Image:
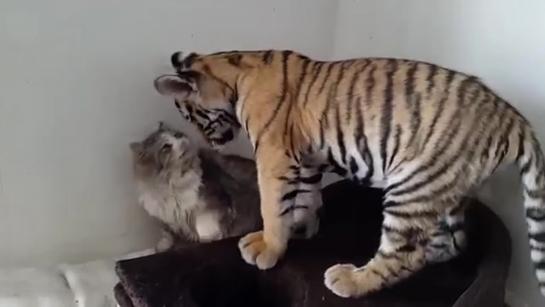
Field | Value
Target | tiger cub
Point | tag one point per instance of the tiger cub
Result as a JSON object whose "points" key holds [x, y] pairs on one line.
{"points": [[424, 133]]}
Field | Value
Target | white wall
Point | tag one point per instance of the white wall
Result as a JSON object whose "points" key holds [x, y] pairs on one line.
{"points": [[501, 41], [76, 88]]}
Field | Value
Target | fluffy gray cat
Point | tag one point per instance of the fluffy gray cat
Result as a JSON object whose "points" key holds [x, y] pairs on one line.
{"points": [[197, 194]]}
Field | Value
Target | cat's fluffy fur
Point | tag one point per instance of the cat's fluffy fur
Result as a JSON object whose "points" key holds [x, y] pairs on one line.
{"points": [[199, 195]]}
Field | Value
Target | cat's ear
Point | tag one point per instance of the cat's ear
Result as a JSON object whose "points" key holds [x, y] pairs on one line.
{"points": [[175, 86], [137, 148], [161, 126]]}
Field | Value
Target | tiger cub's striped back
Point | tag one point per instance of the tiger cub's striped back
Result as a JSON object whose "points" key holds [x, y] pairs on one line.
{"points": [[425, 133]]}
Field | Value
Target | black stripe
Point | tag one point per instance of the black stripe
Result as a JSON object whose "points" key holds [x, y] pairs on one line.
{"points": [[292, 145], [415, 118], [202, 114], [316, 71], [379, 274], [413, 102], [536, 214], [461, 205], [302, 77], [229, 117], [409, 81], [503, 145], [256, 146], [350, 95], [311, 179], [431, 78], [386, 255], [286, 179], [440, 246], [326, 77], [235, 59], [210, 73], [336, 167], [353, 166], [485, 154], [229, 52], [537, 248], [411, 214], [522, 138], [370, 85], [292, 194], [440, 107], [387, 112], [526, 167], [268, 57], [406, 248], [391, 272], [322, 137], [405, 233], [340, 134], [361, 142], [296, 94], [295, 168], [404, 268], [332, 96], [396, 145], [540, 265], [536, 194], [246, 125], [292, 208], [282, 99], [391, 204]]}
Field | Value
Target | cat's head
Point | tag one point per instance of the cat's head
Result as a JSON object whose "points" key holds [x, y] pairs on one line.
{"points": [[164, 149]]}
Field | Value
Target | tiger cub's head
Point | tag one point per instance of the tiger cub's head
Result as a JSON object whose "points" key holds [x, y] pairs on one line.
{"points": [[204, 91]]}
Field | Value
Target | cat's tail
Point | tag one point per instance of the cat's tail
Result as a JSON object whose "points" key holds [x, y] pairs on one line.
{"points": [[531, 164]]}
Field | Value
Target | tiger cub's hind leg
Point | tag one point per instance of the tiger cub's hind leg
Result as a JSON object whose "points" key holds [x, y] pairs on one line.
{"points": [[401, 253], [448, 238]]}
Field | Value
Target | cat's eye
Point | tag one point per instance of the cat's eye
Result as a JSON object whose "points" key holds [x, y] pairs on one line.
{"points": [[178, 135]]}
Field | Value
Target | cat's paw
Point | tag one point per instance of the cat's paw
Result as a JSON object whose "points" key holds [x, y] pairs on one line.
{"points": [[256, 251], [165, 243]]}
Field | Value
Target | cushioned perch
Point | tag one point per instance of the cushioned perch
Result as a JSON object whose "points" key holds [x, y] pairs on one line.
{"points": [[215, 275]]}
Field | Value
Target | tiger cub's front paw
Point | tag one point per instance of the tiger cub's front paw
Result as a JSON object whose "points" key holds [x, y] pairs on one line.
{"points": [[256, 251]]}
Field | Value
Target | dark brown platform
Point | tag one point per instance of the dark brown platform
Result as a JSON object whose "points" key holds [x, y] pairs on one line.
{"points": [[214, 274]]}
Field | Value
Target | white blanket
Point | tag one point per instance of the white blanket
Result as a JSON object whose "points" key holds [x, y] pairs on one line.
{"points": [[81, 285]]}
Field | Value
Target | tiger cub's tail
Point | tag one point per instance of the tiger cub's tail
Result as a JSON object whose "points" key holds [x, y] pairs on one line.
{"points": [[532, 169]]}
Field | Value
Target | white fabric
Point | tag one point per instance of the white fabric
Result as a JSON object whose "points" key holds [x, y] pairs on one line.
{"points": [[81, 285]]}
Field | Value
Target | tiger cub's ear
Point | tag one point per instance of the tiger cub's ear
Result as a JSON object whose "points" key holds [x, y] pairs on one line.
{"points": [[174, 86]]}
